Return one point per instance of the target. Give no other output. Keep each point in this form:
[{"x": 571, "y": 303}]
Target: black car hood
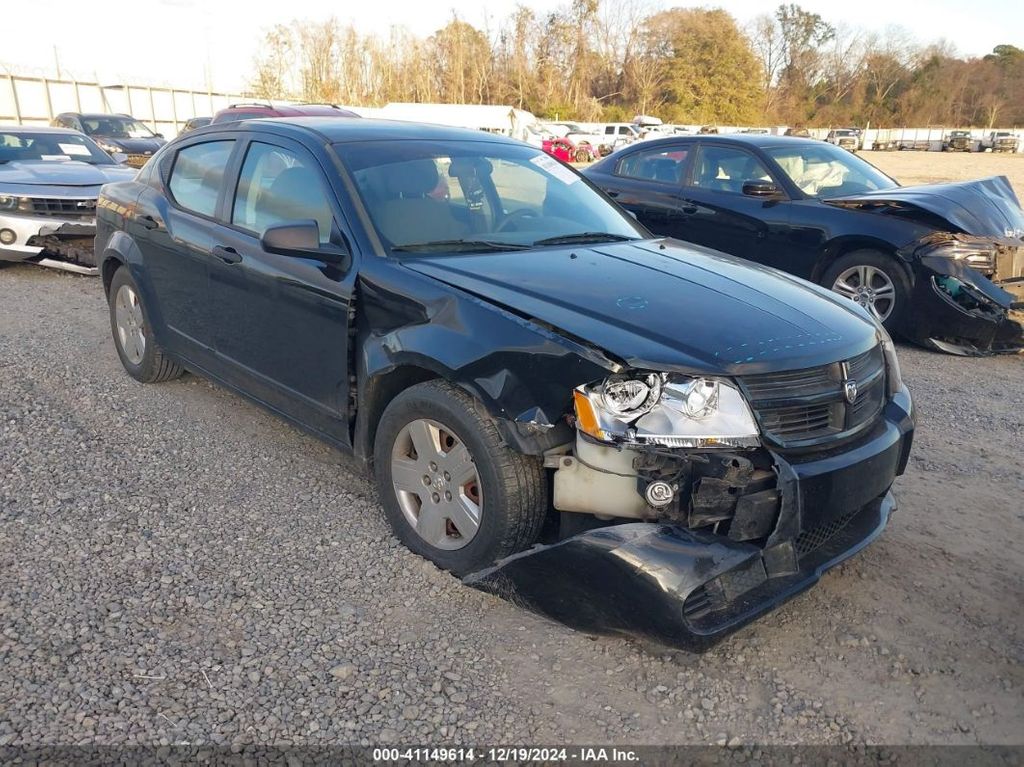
[
  {"x": 987, "y": 207},
  {"x": 665, "y": 305},
  {"x": 133, "y": 145}
]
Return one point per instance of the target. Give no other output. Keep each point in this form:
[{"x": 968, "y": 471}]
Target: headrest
[{"x": 410, "y": 179}]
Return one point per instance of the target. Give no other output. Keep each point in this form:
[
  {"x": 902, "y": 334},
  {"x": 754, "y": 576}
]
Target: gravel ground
[{"x": 178, "y": 566}]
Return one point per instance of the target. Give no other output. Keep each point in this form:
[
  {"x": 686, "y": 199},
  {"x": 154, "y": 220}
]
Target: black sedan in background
[
  {"x": 693, "y": 438},
  {"x": 116, "y": 134},
  {"x": 941, "y": 264}
]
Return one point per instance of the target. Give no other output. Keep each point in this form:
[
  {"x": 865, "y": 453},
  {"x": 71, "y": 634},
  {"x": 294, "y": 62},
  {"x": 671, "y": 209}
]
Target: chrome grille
[
  {"x": 809, "y": 406},
  {"x": 63, "y": 207}
]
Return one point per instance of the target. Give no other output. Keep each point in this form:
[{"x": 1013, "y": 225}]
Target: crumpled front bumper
[
  {"x": 687, "y": 588},
  {"x": 51, "y": 241},
  {"x": 957, "y": 310}
]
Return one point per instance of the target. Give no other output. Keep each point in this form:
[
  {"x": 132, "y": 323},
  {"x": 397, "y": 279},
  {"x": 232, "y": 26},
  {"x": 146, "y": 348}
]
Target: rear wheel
[
  {"x": 582, "y": 155},
  {"x": 133, "y": 336},
  {"x": 452, "y": 491},
  {"x": 873, "y": 280}
]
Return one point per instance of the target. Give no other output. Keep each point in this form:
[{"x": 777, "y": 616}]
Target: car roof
[
  {"x": 364, "y": 129},
  {"x": 92, "y": 115},
  {"x": 748, "y": 139},
  {"x": 37, "y": 129}
]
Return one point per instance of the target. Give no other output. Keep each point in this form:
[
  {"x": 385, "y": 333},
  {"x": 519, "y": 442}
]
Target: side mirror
[
  {"x": 159, "y": 135},
  {"x": 760, "y": 188},
  {"x": 301, "y": 239}
]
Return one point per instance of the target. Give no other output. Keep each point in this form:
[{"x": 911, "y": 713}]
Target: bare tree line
[{"x": 602, "y": 59}]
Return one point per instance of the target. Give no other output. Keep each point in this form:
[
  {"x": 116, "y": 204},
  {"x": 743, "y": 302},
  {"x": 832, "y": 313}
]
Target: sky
[{"x": 178, "y": 42}]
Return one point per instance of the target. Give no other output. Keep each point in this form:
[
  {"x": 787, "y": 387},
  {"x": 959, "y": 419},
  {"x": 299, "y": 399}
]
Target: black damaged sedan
[
  {"x": 941, "y": 264},
  {"x": 619, "y": 431}
]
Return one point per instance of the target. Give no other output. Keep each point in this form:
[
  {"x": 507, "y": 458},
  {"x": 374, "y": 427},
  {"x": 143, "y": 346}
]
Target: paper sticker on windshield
[
  {"x": 555, "y": 168},
  {"x": 75, "y": 149}
]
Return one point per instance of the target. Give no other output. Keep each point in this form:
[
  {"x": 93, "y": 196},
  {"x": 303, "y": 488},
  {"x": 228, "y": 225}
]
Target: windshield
[
  {"x": 19, "y": 146},
  {"x": 462, "y": 196},
  {"x": 115, "y": 127},
  {"x": 825, "y": 170}
]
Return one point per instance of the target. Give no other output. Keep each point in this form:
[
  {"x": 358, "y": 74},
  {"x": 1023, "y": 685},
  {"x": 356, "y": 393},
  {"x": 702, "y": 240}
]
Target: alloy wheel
[
  {"x": 437, "y": 484},
  {"x": 870, "y": 287},
  {"x": 130, "y": 324}
]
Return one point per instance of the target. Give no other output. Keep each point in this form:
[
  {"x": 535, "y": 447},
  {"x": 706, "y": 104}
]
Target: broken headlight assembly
[
  {"x": 977, "y": 253},
  {"x": 669, "y": 411}
]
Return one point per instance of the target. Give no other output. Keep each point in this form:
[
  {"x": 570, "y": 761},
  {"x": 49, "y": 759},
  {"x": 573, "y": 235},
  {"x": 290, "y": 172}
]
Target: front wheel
[
  {"x": 873, "y": 280},
  {"x": 452, "y": 491}
]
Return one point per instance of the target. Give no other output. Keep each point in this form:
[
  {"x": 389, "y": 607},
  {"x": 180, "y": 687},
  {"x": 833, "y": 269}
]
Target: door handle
[
  {"x": 226, "y": 254},
  {"x": 613, "y": 194},
  {"x": 689, "y": 210},
  {"x": 147, "y": 222}
]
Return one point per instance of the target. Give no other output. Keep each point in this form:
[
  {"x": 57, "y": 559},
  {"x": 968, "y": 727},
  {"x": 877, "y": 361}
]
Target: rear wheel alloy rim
[
  {"x": 130, "y": 326},
  {"x": 869, "y": 287},
  {"x": 437, "y": 484}
]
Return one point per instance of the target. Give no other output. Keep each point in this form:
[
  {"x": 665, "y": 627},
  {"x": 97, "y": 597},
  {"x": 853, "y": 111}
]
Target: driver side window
[
  {"x": 725, "y": 169},
  {"x": 277, "y": 187}
]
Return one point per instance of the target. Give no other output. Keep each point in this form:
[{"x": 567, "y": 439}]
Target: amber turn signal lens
[{"x": 586, "y": 418}]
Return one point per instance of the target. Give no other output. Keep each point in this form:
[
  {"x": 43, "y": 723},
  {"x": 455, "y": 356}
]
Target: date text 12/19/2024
[{"x": 455, "y": 755}]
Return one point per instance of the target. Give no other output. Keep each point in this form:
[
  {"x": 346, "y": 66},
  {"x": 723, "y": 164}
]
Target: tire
[
  {"x": 509, "y": 488},
  {"x": 152, "y": 365},
  {"x": 582, "y": 155},
  {"x": 881, "y": 263}
]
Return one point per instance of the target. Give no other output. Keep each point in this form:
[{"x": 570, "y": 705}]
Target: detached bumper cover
[{"x": 689, "y": 589}]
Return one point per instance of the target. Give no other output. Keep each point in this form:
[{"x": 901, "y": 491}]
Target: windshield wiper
[
  {"x": 457, "y": 246},
  {"x": 580, "y": 237}
]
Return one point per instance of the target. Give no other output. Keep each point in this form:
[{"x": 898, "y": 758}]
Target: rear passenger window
[
  {"x": 665, "y": 166},
  {"x": 278, "y": 187},
  {"x": 197, "y": 175}
]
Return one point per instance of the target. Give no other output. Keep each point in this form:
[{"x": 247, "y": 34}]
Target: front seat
[
  {"x": 294, "y": 195},
  {"x": 410, "y": 215}
]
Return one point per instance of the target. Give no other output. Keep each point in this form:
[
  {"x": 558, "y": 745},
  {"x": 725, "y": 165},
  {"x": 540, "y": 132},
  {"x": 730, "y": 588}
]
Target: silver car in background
[{"x": 50, "y": 179}]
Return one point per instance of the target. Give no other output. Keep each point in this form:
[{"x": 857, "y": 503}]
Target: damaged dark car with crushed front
[
  {"x": 939, "y": 264},
  {"x": 622, "y": 432}
]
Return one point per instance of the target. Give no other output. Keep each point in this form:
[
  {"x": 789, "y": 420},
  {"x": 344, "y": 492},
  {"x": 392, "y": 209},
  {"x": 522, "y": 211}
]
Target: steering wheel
[{"x": 515, "y": 216}]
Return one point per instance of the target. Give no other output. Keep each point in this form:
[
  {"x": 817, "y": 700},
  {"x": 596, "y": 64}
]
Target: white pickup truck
[{"x": 605, "y": 138}]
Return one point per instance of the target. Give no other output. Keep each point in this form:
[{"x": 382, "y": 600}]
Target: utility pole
[{"x": 56, "y": 61}]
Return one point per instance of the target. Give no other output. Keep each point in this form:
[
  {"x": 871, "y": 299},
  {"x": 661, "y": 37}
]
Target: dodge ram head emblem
[{"x": 850, "y": 390}]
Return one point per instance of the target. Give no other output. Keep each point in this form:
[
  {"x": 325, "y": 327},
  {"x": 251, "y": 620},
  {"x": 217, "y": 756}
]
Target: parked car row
[
  {"x": 50, "y": 178},
  {"x": 678, "y": 394}
]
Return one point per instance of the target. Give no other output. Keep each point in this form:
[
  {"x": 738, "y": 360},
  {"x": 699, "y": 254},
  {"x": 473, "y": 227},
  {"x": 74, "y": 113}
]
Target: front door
[
  {"x": 721, "y": 216},
  {"x": 281, "y": 323}
]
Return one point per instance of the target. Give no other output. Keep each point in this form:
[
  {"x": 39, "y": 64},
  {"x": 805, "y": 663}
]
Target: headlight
[
  {"x": 7, "y": 202},
  {"x": 977, "y": 253},
  {"x": 110, "y": 148},
  {"x": 656, "y": 409},
  {"x": 893, "y": 376}
]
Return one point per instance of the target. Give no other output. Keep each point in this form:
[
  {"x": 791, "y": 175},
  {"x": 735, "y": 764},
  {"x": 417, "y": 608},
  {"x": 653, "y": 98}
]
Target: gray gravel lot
[{"x": 178, "y": 566}]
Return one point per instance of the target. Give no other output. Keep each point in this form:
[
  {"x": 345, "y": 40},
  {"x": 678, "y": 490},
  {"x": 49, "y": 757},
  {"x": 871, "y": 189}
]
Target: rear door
[
  {"x": 281, "y": 323},
  {"x": 173, "y": 228},
  {"x": 648, "y": 182}
]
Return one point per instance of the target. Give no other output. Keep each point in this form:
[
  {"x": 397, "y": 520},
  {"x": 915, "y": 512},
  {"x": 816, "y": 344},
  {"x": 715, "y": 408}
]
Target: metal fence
[{"x": 37, "y": 100}]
